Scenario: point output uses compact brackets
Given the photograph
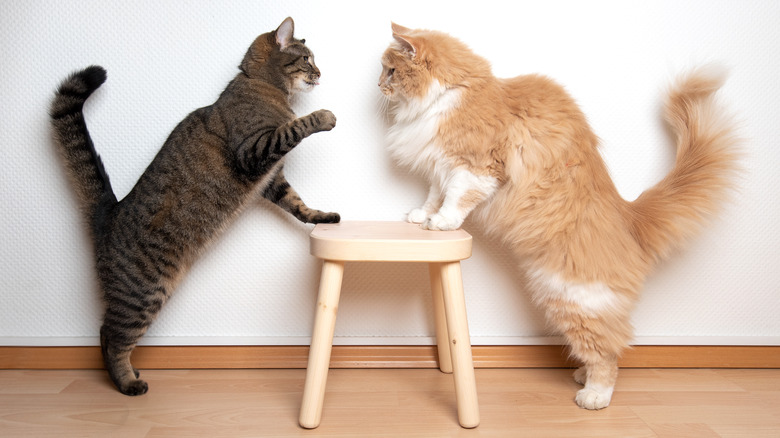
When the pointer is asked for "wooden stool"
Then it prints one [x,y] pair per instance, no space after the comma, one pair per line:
[393,242]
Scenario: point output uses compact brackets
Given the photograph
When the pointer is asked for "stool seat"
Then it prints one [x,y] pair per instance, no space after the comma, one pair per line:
[364,241]
[388,242]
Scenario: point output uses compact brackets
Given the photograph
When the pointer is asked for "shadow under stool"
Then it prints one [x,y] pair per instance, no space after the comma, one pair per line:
[344,242]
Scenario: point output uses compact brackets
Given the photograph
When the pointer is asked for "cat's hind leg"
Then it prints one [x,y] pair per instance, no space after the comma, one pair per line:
[599,378]
[595,322]
[581,375]
[597,342]
[128,316]
[116,351]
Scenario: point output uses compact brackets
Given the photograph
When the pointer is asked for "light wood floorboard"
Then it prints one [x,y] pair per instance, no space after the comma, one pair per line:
[385,356]
[389,403]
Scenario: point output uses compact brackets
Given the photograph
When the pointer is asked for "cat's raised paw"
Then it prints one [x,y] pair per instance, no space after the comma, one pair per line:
[326,119]
[591,398]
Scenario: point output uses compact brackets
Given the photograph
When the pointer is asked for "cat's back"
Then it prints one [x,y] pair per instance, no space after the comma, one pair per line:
[191,182]
[548,112]
[201,149]
[195,182]
[539,95]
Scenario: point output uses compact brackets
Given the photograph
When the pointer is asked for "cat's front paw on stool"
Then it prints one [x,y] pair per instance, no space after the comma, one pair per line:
[326,218]
[417,216]
[440,222]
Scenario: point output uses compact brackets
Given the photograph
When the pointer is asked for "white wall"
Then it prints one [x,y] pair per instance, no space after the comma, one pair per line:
[257,284]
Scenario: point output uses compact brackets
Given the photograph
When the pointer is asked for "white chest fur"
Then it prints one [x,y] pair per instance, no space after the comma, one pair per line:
[412,138]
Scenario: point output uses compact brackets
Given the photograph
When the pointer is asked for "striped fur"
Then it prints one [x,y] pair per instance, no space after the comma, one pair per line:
[536,180]
[214,163]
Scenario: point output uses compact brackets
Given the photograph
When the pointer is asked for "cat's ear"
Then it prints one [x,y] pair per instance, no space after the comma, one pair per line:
[406,45]
[284,33]
[400,34]
[401,30]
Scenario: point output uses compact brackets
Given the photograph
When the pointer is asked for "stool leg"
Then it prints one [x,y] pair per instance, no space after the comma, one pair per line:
[440,319]
[460,345]
[321,343]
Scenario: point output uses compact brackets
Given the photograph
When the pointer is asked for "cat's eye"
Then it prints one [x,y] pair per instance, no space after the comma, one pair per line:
[306,59]
[390,72]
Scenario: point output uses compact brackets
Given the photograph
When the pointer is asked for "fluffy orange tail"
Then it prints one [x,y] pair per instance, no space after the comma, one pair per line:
[703,174]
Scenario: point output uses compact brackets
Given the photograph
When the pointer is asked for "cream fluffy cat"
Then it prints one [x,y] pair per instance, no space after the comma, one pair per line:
[521,155]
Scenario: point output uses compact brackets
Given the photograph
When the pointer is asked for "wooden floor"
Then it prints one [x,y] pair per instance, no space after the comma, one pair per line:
[390,403]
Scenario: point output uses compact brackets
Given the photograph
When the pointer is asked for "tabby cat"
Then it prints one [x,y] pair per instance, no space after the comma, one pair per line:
[521,155]
[216,161]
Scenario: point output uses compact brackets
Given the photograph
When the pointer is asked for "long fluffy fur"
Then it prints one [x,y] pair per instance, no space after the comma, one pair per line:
[538,182]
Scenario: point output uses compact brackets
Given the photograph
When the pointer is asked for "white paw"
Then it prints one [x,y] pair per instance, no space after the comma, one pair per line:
[581,375]
[441,222]
[417,216]
[593,398]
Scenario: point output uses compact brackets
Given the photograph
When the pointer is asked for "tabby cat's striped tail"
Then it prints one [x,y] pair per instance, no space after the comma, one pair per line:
[83,163]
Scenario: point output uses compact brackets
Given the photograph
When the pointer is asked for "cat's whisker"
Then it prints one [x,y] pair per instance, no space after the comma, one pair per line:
[383,107]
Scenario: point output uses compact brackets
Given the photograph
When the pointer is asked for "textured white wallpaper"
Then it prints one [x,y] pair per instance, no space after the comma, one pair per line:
[258,283]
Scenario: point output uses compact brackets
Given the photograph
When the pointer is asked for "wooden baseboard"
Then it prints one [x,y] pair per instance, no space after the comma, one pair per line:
[502,356]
